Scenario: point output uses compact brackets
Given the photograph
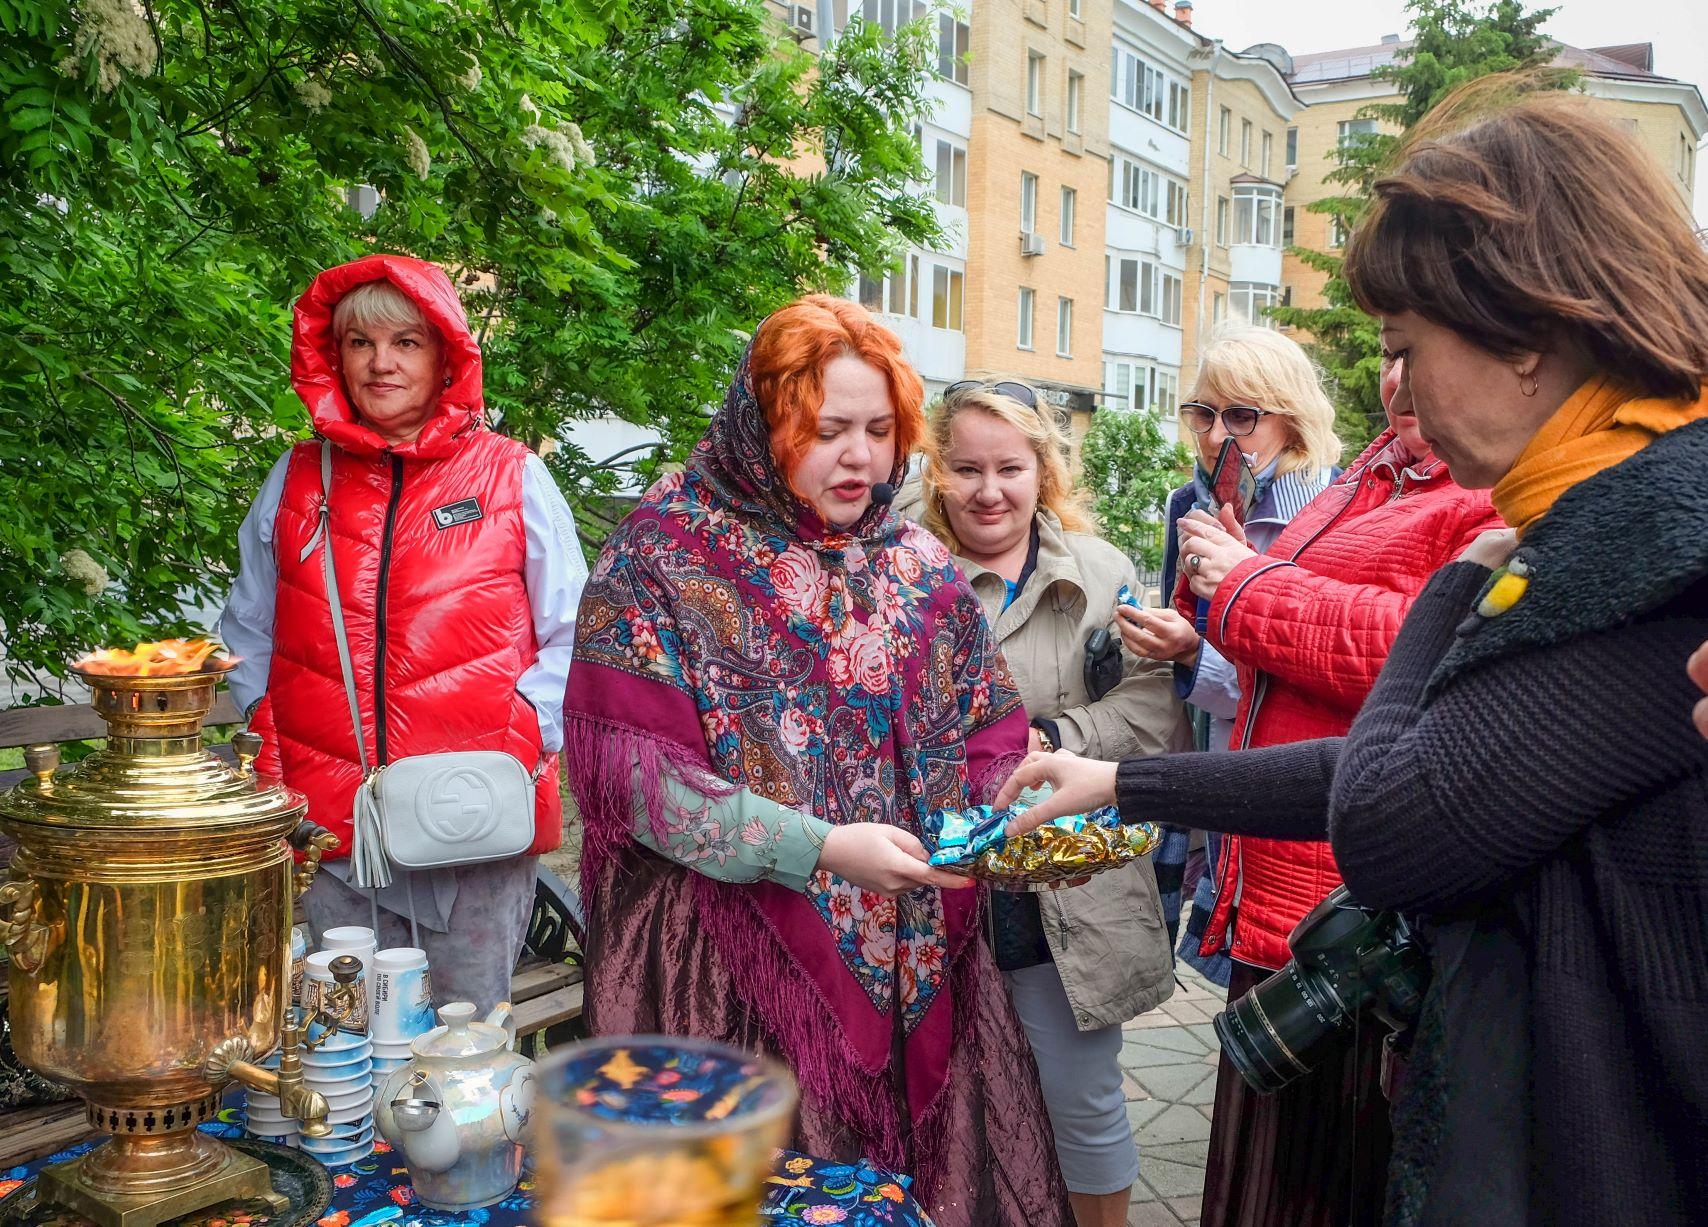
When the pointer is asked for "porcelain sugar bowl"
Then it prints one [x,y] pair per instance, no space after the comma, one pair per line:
[457,1111]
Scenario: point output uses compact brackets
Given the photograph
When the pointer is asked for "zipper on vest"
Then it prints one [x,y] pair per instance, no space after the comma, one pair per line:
[379,608]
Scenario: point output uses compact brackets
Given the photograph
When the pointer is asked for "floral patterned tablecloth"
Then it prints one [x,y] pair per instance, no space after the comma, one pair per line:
[377,1191]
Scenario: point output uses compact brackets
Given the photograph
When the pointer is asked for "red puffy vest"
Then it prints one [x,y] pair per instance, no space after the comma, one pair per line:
[436,607]
[1309,624]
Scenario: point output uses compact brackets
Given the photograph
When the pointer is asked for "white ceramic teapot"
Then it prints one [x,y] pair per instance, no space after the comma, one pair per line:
[457,1111]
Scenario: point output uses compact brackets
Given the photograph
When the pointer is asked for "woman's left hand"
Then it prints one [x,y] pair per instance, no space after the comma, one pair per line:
[1081,785]
[1210,547]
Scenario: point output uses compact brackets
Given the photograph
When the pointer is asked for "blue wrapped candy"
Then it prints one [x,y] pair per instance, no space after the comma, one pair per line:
[974,841]
[1127,597]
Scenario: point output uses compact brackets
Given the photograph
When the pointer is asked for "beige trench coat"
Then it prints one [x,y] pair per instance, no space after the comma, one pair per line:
[1107,936]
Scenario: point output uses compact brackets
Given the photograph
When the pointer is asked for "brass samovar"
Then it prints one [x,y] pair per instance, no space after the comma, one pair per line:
[148,918]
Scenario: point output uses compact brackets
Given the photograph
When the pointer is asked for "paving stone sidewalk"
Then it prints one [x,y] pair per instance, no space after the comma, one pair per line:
[1168,1058]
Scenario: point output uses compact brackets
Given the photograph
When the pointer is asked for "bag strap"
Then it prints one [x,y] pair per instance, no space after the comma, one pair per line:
[368,864]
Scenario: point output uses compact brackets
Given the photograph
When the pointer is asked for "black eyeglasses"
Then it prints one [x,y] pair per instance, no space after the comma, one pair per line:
[1237,420]
[1016,391]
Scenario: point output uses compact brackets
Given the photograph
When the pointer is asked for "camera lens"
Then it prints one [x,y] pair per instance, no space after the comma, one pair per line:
[1282,1028]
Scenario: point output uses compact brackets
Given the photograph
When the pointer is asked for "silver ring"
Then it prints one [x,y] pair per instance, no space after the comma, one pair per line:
[1193,562]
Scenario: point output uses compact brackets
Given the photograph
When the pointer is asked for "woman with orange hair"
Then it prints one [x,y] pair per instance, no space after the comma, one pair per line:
[776,679]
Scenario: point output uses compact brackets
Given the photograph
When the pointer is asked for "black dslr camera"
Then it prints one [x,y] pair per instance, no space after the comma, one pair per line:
[1346,959]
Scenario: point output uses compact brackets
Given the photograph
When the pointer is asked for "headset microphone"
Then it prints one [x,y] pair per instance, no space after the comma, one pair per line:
[883,494]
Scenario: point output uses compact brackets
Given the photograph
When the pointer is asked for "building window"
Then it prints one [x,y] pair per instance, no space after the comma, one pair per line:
[1224,124]
[1256,214]
[1167,401]
[1024,340]
[892,15]
[1287,226]
[1267,145]
[1222,221]
[871,292]
[1683,157]
[951,174]
[1136,286]
[1292,147]
[1073,9]
[1064,327]
[1075,96]
[1245,143]
[893,292]
[947,286]
[1141,386]
[953,38]
[1218,308]
[1177,205]
[1136,84]
[1251,301]
[1144,189]
[1028,203]
[1034,83]
[1070,206]
[1356,127]
[1336,232]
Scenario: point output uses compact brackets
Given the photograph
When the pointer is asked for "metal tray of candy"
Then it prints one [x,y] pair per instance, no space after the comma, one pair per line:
[1063,852]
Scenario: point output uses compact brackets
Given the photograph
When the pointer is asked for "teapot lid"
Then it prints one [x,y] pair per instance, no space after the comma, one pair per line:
[460,1035]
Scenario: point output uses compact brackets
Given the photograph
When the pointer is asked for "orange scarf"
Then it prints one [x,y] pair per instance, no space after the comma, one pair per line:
[1599,425]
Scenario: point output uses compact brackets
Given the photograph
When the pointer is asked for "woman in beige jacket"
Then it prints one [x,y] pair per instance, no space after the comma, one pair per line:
[1082,960]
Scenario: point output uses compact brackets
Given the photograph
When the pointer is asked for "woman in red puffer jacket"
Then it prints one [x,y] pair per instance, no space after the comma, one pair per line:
[1309,623]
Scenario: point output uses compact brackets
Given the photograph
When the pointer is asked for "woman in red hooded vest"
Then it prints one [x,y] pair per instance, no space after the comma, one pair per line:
[458,574]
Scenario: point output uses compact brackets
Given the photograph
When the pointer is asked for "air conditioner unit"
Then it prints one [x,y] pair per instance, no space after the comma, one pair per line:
[1031,244]
[801,18]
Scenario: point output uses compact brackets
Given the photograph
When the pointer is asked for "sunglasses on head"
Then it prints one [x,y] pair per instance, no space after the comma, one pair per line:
[1007,387]
[1237,420]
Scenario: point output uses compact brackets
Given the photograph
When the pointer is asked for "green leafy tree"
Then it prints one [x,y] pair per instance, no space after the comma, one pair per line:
[623,188]
[1453,41]
[1131,467]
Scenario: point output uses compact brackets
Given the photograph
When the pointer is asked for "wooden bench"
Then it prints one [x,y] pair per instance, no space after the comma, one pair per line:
[545,989]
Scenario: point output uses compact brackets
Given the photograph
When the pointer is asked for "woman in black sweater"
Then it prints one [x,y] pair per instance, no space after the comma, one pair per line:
[1524,777]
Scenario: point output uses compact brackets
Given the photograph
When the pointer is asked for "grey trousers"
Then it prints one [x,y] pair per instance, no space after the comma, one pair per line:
[470,961]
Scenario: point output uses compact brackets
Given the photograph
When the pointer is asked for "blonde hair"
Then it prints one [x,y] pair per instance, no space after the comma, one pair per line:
[377,304]
[1244,365]
[1041,428]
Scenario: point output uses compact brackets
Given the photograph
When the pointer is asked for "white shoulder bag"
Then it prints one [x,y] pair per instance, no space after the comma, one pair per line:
[427,811]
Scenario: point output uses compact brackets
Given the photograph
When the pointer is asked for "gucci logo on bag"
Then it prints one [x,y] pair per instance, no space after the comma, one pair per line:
[461,805]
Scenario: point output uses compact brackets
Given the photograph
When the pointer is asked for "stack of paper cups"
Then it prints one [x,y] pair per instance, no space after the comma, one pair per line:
[360,942]
[403,1006]
[262,1117]
[341,1069]
[299,954]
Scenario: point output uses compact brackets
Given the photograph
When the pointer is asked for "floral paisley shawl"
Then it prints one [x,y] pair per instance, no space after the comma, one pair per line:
[850,675]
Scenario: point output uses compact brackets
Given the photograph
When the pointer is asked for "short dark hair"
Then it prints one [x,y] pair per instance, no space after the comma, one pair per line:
[1520,217]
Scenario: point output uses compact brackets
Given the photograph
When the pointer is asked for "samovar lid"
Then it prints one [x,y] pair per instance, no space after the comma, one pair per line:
[153,772]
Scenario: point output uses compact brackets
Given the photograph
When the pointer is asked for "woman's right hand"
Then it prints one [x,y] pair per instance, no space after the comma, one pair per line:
[877,857]
[1158,634]
[1079,786]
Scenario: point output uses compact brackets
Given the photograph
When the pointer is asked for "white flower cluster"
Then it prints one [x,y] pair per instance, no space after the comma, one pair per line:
[566,147]
[470,80]
[84,571]
[312,94]
[420,160]
[116,33]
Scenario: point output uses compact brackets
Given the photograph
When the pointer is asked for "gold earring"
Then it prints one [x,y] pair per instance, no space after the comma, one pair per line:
[1534,385]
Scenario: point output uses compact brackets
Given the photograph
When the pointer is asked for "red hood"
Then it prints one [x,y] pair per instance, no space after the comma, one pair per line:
[314,372]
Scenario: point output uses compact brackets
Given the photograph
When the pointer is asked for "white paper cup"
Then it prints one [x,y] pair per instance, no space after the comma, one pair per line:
[339,1158]
[318,986]
[403,995]
[357,1114]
